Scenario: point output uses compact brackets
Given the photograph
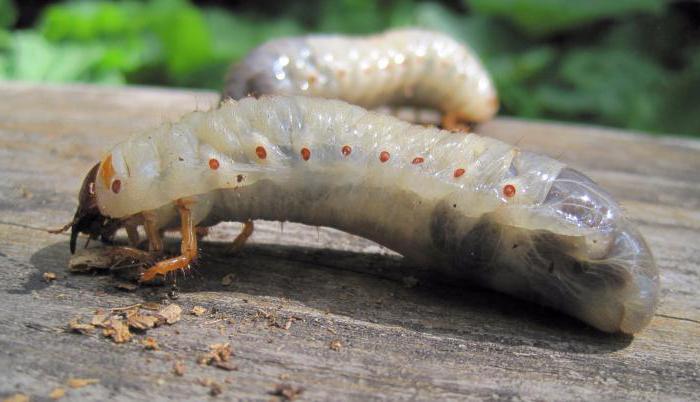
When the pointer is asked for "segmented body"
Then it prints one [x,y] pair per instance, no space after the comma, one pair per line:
[402,67]
[471,206]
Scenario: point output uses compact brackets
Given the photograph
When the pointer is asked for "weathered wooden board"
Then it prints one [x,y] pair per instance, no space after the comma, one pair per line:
[425,342]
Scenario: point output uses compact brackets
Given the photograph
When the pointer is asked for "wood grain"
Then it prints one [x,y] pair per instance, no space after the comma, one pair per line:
[425,342]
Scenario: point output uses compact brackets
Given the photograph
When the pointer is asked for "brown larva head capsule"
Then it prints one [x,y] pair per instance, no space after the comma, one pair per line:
[88,218]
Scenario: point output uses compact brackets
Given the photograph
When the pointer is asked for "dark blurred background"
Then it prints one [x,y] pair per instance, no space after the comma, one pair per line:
[625,63]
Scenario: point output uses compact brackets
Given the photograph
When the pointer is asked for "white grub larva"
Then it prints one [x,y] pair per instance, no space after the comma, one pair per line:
[473,207]
[402,67]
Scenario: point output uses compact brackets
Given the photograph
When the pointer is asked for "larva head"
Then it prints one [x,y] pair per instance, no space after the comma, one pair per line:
[88,218]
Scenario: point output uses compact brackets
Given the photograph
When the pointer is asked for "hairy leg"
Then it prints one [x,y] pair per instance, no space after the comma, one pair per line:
[188,246]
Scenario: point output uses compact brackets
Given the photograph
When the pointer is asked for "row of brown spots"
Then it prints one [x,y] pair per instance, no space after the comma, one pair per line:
[384,156]
[508,189]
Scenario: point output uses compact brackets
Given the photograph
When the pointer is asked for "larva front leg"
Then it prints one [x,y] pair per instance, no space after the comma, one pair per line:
[243,236]
[188,246]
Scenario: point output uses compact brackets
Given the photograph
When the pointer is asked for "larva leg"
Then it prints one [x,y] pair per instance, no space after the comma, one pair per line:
[188,247]
[155,238]
[133,235]
[452,121]
[242,237]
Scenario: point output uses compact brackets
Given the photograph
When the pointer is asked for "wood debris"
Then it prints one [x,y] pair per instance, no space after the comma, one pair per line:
[198,311]
[89,259]
[76,383]
[179,368]
[170,313]
[117,329]
[274,322]
[57,393]
[99,318]
[228,279]
[287,392]
[76,326]
[141,322]
[126,262]
[150,343]
[118,322]
[218,356]
[335,345]
[49,276]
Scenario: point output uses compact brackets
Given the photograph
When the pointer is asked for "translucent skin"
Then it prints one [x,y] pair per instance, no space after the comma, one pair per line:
[401,67]
[558,239]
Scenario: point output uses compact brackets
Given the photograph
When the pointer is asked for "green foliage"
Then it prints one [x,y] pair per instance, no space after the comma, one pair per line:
[548,16]
[8,13]
[627,63]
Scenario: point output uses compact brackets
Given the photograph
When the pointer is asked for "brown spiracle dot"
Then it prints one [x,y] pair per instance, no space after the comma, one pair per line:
[213,164]
[116,186]
[509,190]
[384,156]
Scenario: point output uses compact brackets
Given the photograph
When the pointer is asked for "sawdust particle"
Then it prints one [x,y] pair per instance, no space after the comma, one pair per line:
[179,368]
[288,392]
[118,330]
[335,345]
[76,383]
[49,276]
[198,311]
[150,343]
[76,326]
[57,393]
[170,313]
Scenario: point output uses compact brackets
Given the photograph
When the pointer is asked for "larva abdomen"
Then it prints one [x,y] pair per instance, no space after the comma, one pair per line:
[401,67]
[472,207]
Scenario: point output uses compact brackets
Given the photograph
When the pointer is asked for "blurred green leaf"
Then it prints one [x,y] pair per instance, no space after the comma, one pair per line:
[620,86]
[678,112]
[33,58]
[539,17]
[86,20]
[184,36]
[8,13]
[517,74]
[351,16]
